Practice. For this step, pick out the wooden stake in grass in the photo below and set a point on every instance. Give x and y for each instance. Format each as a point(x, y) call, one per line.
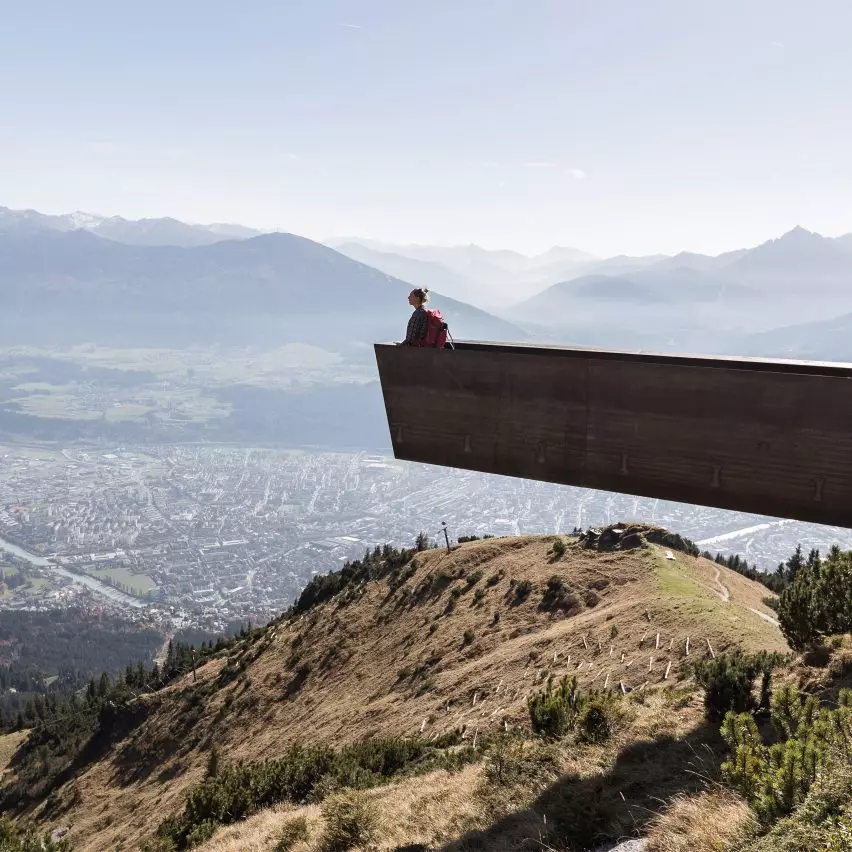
point(422, 726)
point(668, 669)
point(475, 696)
point(585, 643)
point(710, 648)
point(671, 644)
point(622, 656)
point(475, 735)
point(651, 664)
point(611, 649)
point(657, 646)
point(687, 646)
point(642, 640)
point(606, 681)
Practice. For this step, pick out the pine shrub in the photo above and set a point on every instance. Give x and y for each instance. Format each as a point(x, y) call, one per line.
point(557, 595)
point(213, 762)
point(729, 681)
point(512, 761)
point(472, 579)
point(351, 820)
point(776, 779)
point(596, 721)
point(300, 775)
point(818, 600)
point(555, 710)
point(292, 832)
point(379, 563)
point(522, 590)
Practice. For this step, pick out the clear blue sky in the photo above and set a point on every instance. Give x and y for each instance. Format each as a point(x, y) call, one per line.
point(610, 125)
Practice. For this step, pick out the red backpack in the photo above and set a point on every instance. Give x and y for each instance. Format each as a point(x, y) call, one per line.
point(436, 330)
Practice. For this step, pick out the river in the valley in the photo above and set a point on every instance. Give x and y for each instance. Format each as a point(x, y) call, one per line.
point(82, 579)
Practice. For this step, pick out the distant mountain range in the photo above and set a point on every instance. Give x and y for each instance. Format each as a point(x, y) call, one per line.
point(644, 287)
point(72, 285)
point(81, 276)
point(696, 302)
point(489, 279)
point(143, 232)
point(806, 277)
point(788, 297)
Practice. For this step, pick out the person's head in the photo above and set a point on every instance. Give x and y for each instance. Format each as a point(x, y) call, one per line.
point(418, 297)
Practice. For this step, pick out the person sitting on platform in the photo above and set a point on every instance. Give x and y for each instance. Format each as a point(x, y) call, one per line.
point(426, 326)
point(418, 323)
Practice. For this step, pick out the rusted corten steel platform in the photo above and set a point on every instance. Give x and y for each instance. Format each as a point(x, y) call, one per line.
point(771, 437)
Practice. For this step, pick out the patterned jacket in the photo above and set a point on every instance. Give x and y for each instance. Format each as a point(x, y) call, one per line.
point(417, 326)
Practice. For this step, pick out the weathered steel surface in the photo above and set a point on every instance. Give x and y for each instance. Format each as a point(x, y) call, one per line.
point(772, 437)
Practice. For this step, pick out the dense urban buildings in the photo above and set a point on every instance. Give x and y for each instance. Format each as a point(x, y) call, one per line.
point(207, 536)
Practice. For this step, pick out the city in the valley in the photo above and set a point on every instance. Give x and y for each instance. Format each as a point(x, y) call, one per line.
point(209, 536)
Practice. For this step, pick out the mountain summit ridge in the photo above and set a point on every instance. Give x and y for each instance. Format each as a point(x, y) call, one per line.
point(156, 231)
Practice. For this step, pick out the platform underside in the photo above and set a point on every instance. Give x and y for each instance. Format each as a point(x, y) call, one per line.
point(771, 437)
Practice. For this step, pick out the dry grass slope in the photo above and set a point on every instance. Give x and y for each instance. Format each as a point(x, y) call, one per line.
point(8, 746)
point(460, 643)
point(706, 822)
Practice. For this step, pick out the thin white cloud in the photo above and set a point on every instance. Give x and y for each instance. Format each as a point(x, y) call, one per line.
point(489, 164)
point(577, 174)
point(778, 44)
point(350, 26)
point(539, 164)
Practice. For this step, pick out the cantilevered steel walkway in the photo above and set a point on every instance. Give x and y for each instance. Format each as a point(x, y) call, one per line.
point(766, 436)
